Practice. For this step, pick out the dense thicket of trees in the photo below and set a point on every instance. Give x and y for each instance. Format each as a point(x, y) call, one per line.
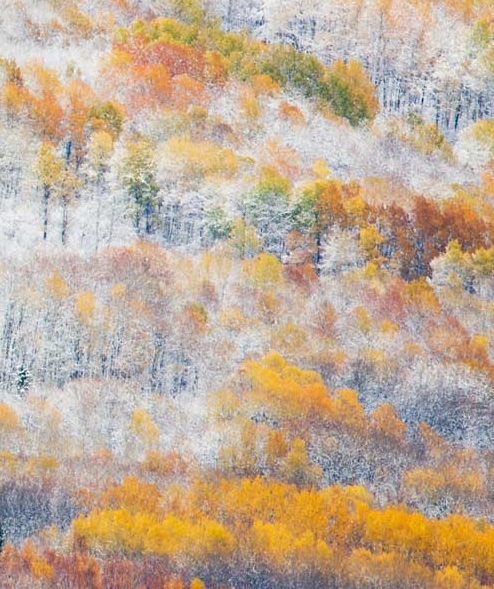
point(246, 295)
point(448, 82)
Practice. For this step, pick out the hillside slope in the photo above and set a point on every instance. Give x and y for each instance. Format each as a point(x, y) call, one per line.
point(246, 295)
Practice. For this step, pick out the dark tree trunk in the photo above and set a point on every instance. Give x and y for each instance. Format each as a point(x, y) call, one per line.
point(65, 218)
point(46, 198)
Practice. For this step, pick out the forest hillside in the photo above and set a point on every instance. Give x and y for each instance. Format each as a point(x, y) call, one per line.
point(247, 294)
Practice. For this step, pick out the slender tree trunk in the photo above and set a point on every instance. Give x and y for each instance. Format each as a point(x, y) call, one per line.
point(46, 198)
point(65, 218)
point(68, 151)
point(318, 253)
point(229, 14)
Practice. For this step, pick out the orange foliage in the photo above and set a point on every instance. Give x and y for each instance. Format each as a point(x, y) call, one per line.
point(177, 59)
point(15, 99)
point(150, 84)
point(79, 99)
point(285, 160)
point(9, 420)
point(47, 115)
point(187, 91)
point(387, 425)
point(215, 68)
point(286, 528)
point(170, 465)
point(291, 113)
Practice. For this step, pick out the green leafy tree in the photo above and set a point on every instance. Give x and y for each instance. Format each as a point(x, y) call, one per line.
point(108, 117)
point(268, 209)
point(319, 208)
point(349, 92)
point(23, 383)
point(218, 226)
point(293, 68)
point(139, 179)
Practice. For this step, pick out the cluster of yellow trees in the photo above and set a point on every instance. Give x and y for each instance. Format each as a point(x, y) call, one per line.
point(249, 526)
point(145, 418)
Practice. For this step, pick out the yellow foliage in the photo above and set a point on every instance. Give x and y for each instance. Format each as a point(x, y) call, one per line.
point(272, 180)
point(225, 405)
point(426, 482)
point(345, 410)
point(250, 107)
point(120, 59)
point(479, 344)
point(285, 391)
point(289, 530)
point(371, 270)
point(132, 495)
point(265, 271)
point(9, 420)
point(118, 291)
point(197, 159)
point(8, 463)
point(111, 531)
point(215, 67)
point(370, 240)
point(273, 542)
point(420, 294)
point(214, 540)
point(165, 464)
point(244, 239)
point(275, 447)
point(297, 468)
point(233, 319)
point(449, 578)
point(77, 20)
point(14, 98)
point(85, 306)
point(243, 501)
point(56, 286)
point(389, 327)
point(352, 76)
point(321, 170)
point(264, 84)
point(144, 427)
point(41, 569)
point(99, 150)
point(49, 167)
point(197, 584)
point(483, 261)
point(275, 361)
point(364, 320)
point(427, 138)
point(46, 79)
point(290, 339)
point(41, 465)
point(483, 132)
point(356, 208)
